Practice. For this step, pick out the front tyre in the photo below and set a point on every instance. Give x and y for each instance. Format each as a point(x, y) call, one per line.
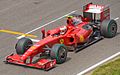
point(23, 45)
point(59, 52)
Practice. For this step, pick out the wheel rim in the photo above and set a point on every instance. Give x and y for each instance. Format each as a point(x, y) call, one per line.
point(113, 29)
point(62, 53)
point(27, 46)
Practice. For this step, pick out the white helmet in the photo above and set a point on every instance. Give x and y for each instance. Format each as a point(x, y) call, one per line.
point(63, 30)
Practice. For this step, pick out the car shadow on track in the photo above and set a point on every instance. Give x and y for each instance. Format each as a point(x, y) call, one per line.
point(118, 33)
point(68, 59)
point(88, 45)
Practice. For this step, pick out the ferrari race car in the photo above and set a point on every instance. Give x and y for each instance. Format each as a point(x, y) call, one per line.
point(79, 32)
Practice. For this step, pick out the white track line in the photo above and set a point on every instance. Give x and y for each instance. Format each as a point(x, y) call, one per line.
point(47, 24)
point(34, 40)
point(116, 18)
point(99, 63)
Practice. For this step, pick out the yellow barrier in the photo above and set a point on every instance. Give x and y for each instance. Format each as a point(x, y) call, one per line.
point(18, 33)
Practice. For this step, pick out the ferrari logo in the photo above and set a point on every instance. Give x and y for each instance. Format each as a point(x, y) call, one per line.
point(61, 41)
point(81, 38)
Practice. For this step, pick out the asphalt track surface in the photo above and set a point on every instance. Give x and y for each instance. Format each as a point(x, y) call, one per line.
point(26, 15)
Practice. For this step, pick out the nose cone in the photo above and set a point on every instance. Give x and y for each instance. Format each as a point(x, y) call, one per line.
point(32, 50)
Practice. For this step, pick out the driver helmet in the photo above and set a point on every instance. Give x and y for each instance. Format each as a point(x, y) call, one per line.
point(69, 16)
point(63, 30)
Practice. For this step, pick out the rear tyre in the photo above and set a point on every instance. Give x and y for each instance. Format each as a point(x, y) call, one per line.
point(109, 28)
point(23, 45)
point(59, 52)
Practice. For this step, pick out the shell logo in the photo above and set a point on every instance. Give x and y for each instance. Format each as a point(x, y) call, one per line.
point(81, 38)
point(33, 47)
point(61, 41)
point(39, 63)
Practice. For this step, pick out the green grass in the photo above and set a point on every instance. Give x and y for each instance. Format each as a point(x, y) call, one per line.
point(111, 68)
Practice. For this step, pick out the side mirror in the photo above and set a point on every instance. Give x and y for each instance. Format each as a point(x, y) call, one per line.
point(43, 33)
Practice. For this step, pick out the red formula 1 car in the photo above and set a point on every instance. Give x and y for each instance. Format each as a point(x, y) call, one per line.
point(79, 32)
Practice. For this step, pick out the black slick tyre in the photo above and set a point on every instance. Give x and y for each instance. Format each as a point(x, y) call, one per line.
point(59, 52)
point(23, 45)
point(109, 28)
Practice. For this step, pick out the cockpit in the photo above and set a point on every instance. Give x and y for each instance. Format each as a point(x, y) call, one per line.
point(74, 19)
point(58, 31)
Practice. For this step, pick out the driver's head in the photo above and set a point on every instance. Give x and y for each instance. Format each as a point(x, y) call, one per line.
point(63, 30)
point(70, 20)
point(69, 17)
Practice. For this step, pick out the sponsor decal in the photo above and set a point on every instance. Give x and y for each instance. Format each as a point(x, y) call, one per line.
point(33, 47)
point(81, 38)
point(40, 63)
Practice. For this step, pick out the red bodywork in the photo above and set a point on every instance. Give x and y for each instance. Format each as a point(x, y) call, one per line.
point(73, 36)
point(43, 63)
point(77, 33)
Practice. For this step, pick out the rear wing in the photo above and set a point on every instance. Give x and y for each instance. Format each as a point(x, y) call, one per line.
point(87, 15)
point(105, 13)
point(90, 9)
